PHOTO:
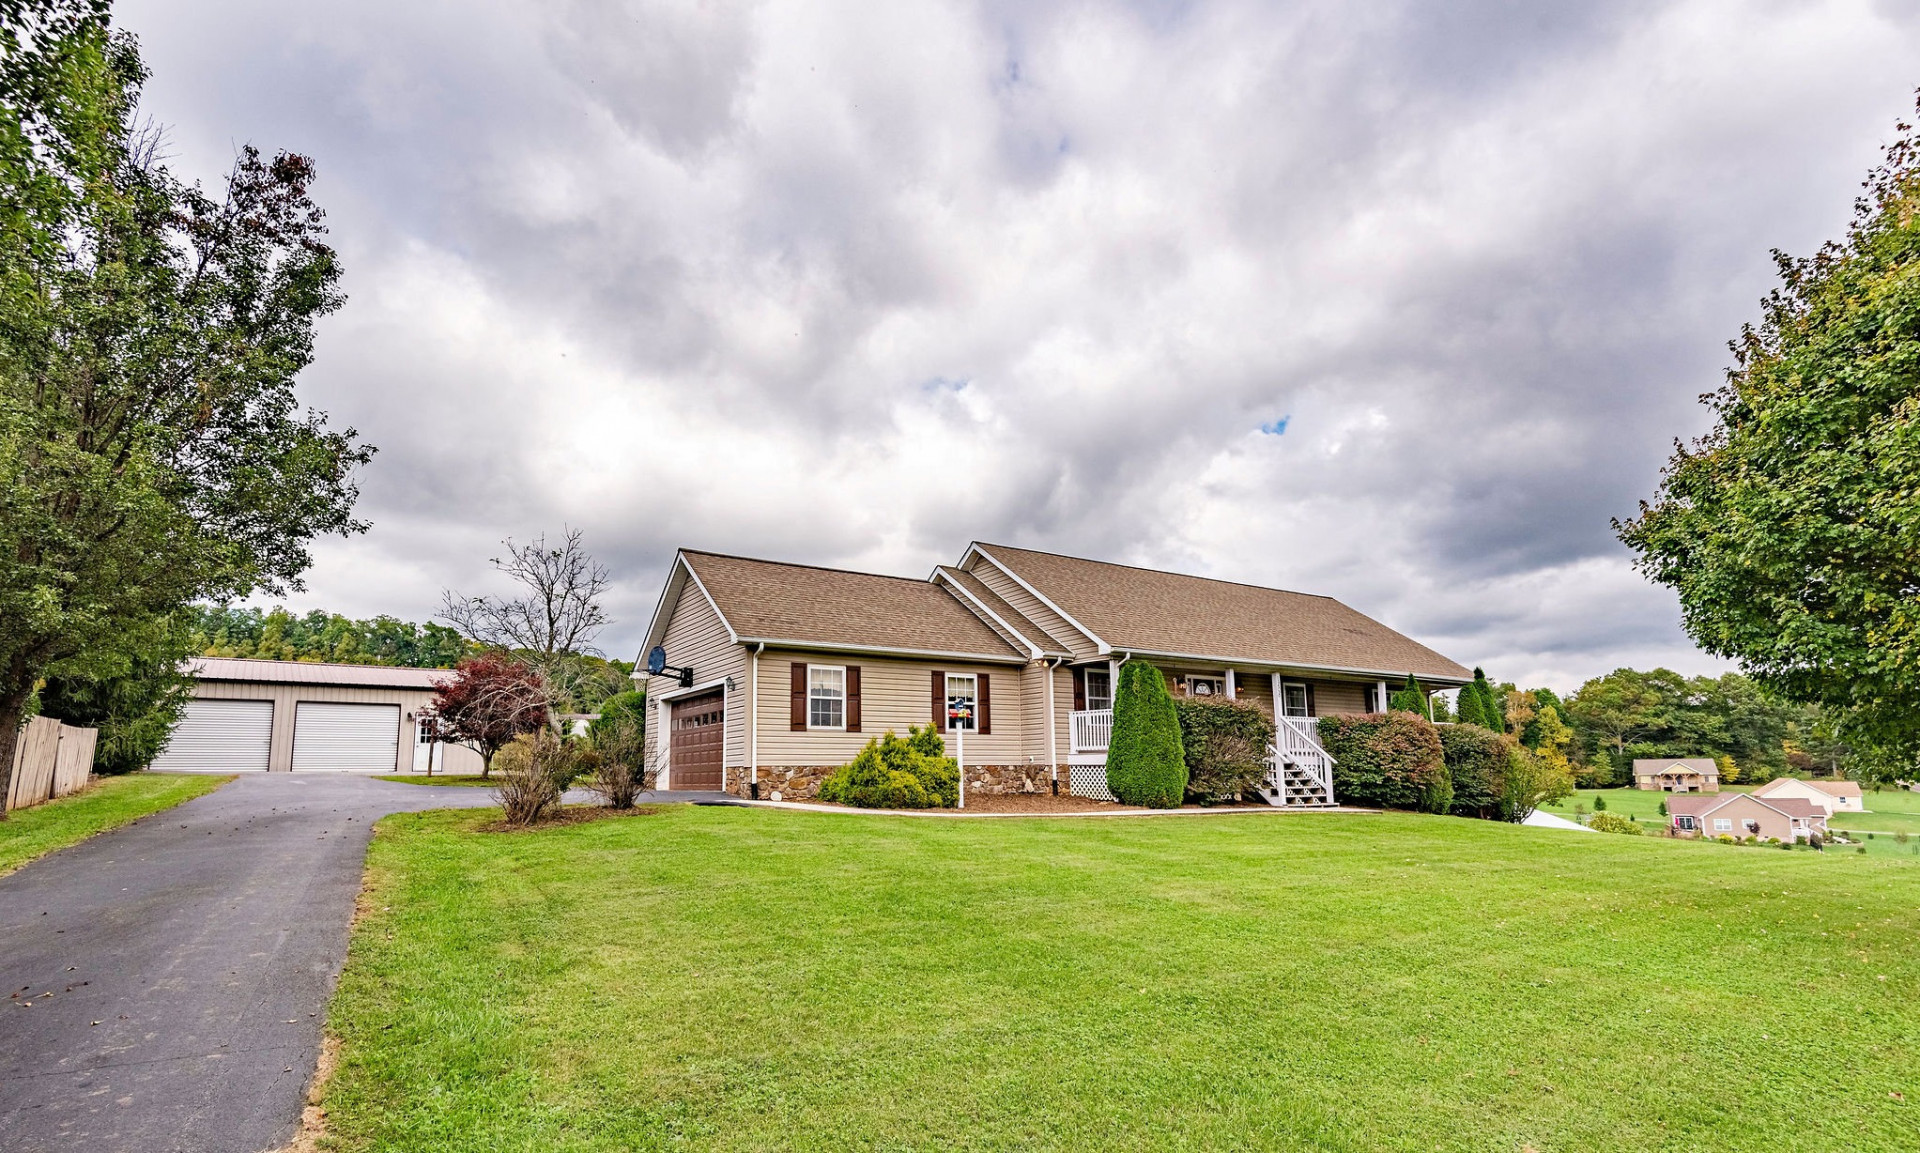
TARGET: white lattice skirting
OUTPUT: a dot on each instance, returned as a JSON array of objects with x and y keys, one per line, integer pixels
[{"x": 1088, "y": 781}]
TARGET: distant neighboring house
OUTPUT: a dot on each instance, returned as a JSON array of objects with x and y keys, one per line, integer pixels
[
  {"x": 249, "y": 715},
  {"x": 1677, "y": 775},
  {"x": 768, "y": 676},
  {"x": 1746, "y": 815},
  {"x": 1833, "y": 796}
]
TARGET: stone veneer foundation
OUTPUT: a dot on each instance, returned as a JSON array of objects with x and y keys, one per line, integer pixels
[{"x": 802, "y": 782}]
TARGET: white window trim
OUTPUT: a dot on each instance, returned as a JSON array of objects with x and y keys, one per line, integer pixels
[
  {"x": 972, "y": 725},
  {"x": 1102, "y": 669},
  {"x": 1304, "y": 702},
  {"x": 842, "y": 726},
  {"x": 1723, "y": 824}
]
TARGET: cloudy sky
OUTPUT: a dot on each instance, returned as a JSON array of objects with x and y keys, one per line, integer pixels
[{"x": 1397, "y": 302}]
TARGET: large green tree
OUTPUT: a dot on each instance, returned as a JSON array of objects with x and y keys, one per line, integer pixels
[
  {"x": 1791, "y": 531},
  {"x": 152, "y": 451}
]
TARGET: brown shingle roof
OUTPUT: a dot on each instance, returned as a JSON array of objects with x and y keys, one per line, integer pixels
[
  {"x": 1839, "y": 788},
  {"x": 768, "y": 600},
  {"x": 1048, "y": 644},
  {"x": 1696, "y": 804},
  {"x": 1162, "y": 612}
]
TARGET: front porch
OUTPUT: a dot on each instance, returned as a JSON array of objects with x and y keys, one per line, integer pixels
[{"x": 1299, "y": 770}]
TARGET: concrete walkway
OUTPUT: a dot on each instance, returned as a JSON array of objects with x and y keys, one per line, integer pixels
[{"x": 178, "y": 968}]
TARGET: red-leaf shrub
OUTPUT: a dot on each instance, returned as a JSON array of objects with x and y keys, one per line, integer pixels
[{"x": 1389, "y": 760}]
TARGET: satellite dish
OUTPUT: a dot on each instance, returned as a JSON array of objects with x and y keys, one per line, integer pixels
[{"x": 656, "y": 660}]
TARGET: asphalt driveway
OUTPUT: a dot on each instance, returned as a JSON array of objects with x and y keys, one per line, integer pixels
[{"x": 178, "y": 968}]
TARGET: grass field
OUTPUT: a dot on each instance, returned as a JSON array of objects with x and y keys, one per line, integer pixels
[
  {"x": 455, "y": 780},
  {"x": 30, "y": 833},
  {"x": 716, "y": 978}
]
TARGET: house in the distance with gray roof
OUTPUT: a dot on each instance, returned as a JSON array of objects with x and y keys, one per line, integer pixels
[{"x": 769, "y": 675}]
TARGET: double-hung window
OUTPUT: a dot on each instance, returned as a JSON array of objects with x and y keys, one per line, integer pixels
[
  {"x": 1099, "y": 688},
  {"x": 1723, "y": 824},
  {"x": 963, "y": 688},
  {"x": 826, "y": 697},
  {"x": 1295, "y": 703}
]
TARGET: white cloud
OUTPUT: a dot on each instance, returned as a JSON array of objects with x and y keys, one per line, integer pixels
[{"x": 856, "y": 283}]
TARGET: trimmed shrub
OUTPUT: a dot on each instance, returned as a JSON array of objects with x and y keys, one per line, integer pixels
[
  {"x": 1225, "y": 745},
  {"x": 1391, "y": 760},
  {"x": 1614, "y": 823},
  {"x": 895, "y": 773},
  {"x": 1477, "y": 767},
  {"x": 1600, "y": 804},
  {"x": 1145, "y": 764}
]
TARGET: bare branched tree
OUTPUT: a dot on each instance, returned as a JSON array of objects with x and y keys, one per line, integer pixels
[{"x": 554, "y": 620}]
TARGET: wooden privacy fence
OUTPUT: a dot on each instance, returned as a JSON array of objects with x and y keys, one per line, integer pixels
[{"x": 49, "y": 760}]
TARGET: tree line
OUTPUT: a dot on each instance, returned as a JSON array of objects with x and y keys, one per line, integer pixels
[
  {"x": 279, "y": 635},
  {"x": 1629, "y": 714}
]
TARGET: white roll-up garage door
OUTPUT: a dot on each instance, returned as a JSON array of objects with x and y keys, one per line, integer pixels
[
  {"x": 227, "y": 736},
  {"x": 354, "y": 738}
]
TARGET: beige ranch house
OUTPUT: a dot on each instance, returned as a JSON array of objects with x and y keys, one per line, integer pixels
[
  {"x": 1743, "y": 815},
  {"x": 1833, "y": 796},
  {"x": 776, "y": 674}
]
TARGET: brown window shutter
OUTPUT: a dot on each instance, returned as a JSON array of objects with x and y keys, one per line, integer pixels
[
  {"x": 983, "y": 706},
  {"x": 853, "y": 698},
  {"x": 939, "y": 701},
  {"x": 1312, "y": 711},
  {"x": 797, "y": 715},
  {"x": 1079, "y": 690}
]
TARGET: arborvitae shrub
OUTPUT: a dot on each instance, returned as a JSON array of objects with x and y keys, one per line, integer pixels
[
  {"x": 1409, "y": 698},
  {"x": 1145, "y": 762},
  {"x": 1600, "y": 803},
  {"x": 1392, "y": 761},
  {"x": 1476, "y": 764},
  {"x": 895, "y": 773},
  {"x": 1225, "y": 744}
]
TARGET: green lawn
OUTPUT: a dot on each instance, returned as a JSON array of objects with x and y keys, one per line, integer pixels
[
  {"x": 469, "y": 780},
  {"x": 30, "y": 833},
  {"x": 718, "y": 978},
  {"x": 1888, "y": 811}
]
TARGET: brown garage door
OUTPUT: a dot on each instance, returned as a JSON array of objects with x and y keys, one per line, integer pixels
[{"x": 699, "y": 739}]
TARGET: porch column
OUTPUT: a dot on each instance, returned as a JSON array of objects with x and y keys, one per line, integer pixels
[{"x": 1230, "y": 694}]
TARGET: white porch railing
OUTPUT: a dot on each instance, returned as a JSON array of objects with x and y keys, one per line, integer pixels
[
  {"x": 1299, "y": 769},
  {"x": 1092, "y": 730}
]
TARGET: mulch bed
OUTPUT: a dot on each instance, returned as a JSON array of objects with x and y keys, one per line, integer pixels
[{"x": 570, "y": 815}]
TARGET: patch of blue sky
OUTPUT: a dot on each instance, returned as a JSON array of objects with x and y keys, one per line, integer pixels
[{"x": 1276, "y": 427}]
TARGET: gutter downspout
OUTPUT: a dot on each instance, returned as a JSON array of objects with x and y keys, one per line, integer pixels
[
  {"x": 753, "y": 719},
  {"x": 1053, "y": 745}
]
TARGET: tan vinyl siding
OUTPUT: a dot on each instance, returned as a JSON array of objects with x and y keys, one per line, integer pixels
[
  {"x": 696, "y": 636},
  {"x": 1335, "y": 698},
  {"x": 1255, "y": 689},
  {"x": 894, "y": 694},
  {"x": 1033, "y": 709},
  {"x": 1030, "y": 606},
  {"x": 287, "y": 696}
]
